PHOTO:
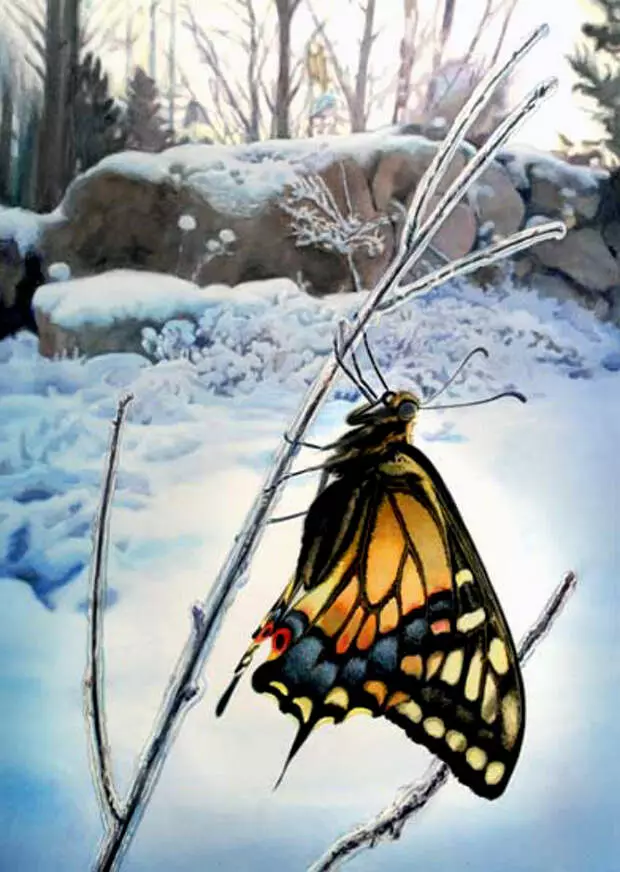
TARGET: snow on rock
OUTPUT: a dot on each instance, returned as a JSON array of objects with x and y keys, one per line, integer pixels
[{"x": 21, "y": 226}]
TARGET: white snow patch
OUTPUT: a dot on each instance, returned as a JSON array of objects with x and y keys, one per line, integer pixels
[
  {"x": 525, "y": 162},
  {"x": 20, "y": 225},
  {"x": 119, "y": 295},
  {"x": 59, "y": 271}
]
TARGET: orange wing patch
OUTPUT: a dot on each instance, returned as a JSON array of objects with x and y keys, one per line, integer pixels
[
  {"x": 430, "y": 543},
  {"x": 335, "y": 616}
]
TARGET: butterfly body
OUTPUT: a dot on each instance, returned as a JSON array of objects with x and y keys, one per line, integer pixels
[{"x": 390, "y": 611}]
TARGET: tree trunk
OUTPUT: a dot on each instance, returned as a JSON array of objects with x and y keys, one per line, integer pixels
[
  {"x": 286, "y": 10},
  {"x": 153, "y": 39},
  {"x": 6, "y": 140},
  {"x": 71, "y": 40},
  {"x": 407, "y": 57},
  {"x": 172, "y": 66},
  {"x": 49, "y": 141},
  {"x": 358, "y": 113}
]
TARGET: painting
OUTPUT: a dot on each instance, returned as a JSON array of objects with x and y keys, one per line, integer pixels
[{"x": 309, "y": 361}]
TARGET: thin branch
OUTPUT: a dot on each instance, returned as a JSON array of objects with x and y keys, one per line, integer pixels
[
  {"x": 389, "y": 823},
  {"x": 207, "y": 616},
  {"x": 505, "y": 248},
  {"x": 94, "y": 698}
]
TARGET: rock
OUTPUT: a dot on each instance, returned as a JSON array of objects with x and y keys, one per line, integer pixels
[
  {"x": 557, "y": 200},
  {"x": 556, "y": 286},
  {"x": 398, "y": 173},
  {"x": 614, "y": 305},
  {"x": 457, "y": 235},
  {"x": 107, "y": 313},
  {"x": 117, "y": 218},
  {"x": 583, "y": 256},
  {"x": 494, "y": 198},
  {"x": 611, "y": 235}
]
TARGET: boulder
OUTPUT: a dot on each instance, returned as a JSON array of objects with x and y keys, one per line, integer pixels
[
  {"x": 107, "y": 313},
  {"x": 495, "y": 199},
  {"x": 583, "y": 256},
  {"x": 220, "y": 219}
]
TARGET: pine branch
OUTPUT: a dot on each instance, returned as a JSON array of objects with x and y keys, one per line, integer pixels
[
  {"x": 183, "y": 686},
  {"x": 389, "y": 823},
  {"x": 94, "y": 702}
]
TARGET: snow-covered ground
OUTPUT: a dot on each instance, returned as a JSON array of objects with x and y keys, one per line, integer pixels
[{"x": 537, "y": 484}]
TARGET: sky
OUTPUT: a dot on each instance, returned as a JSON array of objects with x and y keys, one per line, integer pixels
[{"x": 563, "y": 113}]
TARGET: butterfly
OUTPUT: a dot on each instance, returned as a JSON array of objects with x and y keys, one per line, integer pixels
[{"x": 390, "y": 611}]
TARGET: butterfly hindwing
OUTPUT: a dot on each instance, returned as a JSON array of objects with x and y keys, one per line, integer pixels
[{"x": 393, "y": 614}]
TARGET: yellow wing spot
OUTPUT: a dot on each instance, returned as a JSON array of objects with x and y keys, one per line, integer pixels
[
  {"x": 495, "y": 772},
  {"x": 348, "y": 634},
  {"x": 456, "y": 741},
  {"x": 376, "y": 689},
  {"x": 388, "y": 619},
  {"x": 337, "y": 696},
  {"x": 325, "y": 721},
  {"x": 384, "y": 553},
  {"x": 412, "y": 664},
  {"x": 476, "y": 758},
  {"x": 304, "y": 704},
  {"x": 410, "y": 710},
  {"x": 411, "y": 588},
  {"x": 453, "y": 667},
  {"x": 358, "y": 710},
  {"x": 489, "y": 699},
  {"x": 470, "y": 620},
  {"x": 367, "y": 633},
  {"x": 433, "y": 663},
  {"x": 498, "y": 655},
  {"x": 463, "y": 576},
  {"x": 277, "y": 685},
  {"x": 335, "y": 616},
  {"x": 474, "y": 676},
  {"x": 397, "y": 698},
  {"x": 435, "y": 727},
  {"x": 511, "y": 719}
]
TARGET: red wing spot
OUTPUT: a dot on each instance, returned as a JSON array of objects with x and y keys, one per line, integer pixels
[
  {"x": 281, "y": 640},
  {"x": 264, "y": 633},
  {"x": 441, "y": 626}
]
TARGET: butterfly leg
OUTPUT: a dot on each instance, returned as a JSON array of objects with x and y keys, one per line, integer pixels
[
  {"x": 299, "y": 443},
  {"x": 322, "y": 485}
]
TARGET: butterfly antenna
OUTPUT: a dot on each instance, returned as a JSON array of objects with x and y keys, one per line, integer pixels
[
  {"x": 302, "y": 734},
  {"x": 363, "y": 389},
  {"x": 373, "y": 362},
  {"x": 459, "y": 369},
  {"x": 360, "y": 376},
  {"x": 515, "y": 394}
]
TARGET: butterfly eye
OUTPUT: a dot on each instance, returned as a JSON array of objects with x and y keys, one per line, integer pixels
[
  {"x": 264, "y": 633},
  {"x": 281, "y": 640},
  {"x": 407, "y": 410}
]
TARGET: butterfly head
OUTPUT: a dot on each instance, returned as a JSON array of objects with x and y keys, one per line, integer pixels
[{"x": 398, "y": 409}]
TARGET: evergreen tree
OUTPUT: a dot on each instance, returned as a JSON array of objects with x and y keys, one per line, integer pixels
[
  {"x": 99, "y": 125},
  {"x": 146, "y": 129},
  {"x": 597, "y": 63}
]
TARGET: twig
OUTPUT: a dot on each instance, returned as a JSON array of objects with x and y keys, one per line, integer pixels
[
  {"x": 389, "y": 823},
  {"x": 183, "y": 685},
  {"x": 476, "y": 260},
  {"x": 94, "y": 701}
]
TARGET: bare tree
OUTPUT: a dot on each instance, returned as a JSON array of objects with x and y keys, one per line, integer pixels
[
  {"x": 286, "y": 10},
  {"x": 354, "y": 86},
  {"x": 407, "y": 57}
]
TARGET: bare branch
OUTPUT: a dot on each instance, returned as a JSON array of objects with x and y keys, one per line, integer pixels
[
  {"x": 502, "y": 36},
  {"x": 389, "y": 823},
  {"x": 207, "y": 616},
  {"x": 94, "y": 698}
]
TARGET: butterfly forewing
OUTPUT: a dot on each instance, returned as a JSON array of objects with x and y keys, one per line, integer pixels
[{"x": 394, "y": 615}]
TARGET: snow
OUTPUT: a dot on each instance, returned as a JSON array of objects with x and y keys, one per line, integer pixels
[
  {"x": 523, "y": 163},
  {"x": 535, "y": 484},
  {"x": 20, "y": 225},
  {"x": 118, "y": 295}
]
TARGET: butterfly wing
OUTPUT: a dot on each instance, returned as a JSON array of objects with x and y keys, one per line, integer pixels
[{"x": 392, "y": 613}]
